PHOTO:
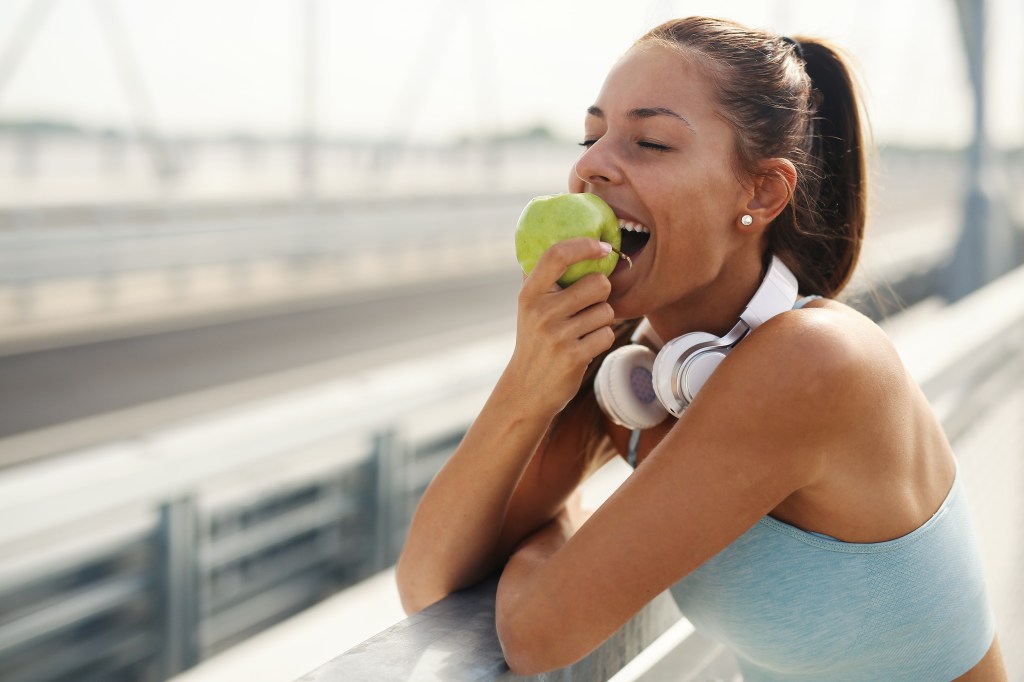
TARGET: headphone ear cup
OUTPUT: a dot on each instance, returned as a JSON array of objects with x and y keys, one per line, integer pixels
[
  {"x": 669, "y": 381},
  {"x": 624, "y": 391}
]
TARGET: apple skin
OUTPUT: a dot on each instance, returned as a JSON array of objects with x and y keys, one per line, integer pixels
[{"x": 552, "y": 218}]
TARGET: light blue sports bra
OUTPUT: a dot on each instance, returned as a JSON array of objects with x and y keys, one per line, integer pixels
[{"x": 796, "y": 606}]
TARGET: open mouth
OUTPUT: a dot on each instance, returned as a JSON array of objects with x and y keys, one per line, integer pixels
[{"x": 634, "y": 237}]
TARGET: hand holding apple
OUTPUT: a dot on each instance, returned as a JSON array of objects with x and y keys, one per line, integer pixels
[{"x": 549, "y": 219}]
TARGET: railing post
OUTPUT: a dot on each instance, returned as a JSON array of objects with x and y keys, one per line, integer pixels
[
  {"x": 391, "y": 496},
  {"x": 178, "y": 584}
]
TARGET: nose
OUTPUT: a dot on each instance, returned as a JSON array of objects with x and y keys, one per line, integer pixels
[{"x": 596, "y": 166}]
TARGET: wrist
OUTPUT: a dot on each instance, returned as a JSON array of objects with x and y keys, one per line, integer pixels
[{"x": 524, "y": 398}]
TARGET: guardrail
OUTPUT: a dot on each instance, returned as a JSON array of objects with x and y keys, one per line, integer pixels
[
  {"x": 962, "y": 357},
  {"x": 138, "y": 559},
  {"x": 53, "y": 272},
  {"x": 62, "y": 286}
]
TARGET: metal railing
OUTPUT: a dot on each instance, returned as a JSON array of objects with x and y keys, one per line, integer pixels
[
  {"x": 92, "y": 284},
  {"x": 961, "y": 356},
  {"x": 136, "y": 560},
  {"x": 50, "y": 272}
]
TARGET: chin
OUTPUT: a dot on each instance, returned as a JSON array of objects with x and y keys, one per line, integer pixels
[{"x": 625, "y": 306}]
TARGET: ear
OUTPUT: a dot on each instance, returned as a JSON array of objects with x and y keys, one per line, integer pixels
[{"x": 773, "y": 188}]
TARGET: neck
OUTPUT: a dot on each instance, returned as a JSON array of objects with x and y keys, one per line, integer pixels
[{"x": 714, "y": 307}]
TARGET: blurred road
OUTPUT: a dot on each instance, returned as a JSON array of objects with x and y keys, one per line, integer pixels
[{"x": 54, "y": 387}]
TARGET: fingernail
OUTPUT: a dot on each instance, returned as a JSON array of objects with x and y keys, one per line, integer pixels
[{"x": 606, "y": 248}]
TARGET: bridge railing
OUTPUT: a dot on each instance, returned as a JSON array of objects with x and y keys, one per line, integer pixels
[
  {"x": 56, "y": 279},
  {"x": 137, "y": 559},
  {"x": 68, "y": 284},
  {"x": 962, "y": 357}
]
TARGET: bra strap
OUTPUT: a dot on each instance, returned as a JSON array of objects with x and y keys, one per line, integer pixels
[
  {"x": 805, "y": 300},
  {"x": 634, "y": 442}
]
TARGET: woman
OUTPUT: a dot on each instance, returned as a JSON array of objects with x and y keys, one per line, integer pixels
[{"x": 805, "y": 508}]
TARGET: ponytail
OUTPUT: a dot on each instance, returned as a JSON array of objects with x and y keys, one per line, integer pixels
[{"x": 825, "y": 241}]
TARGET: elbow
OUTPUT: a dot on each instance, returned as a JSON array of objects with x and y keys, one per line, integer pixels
[
  {"x": 529, "y": 648},
  {"x": 414, "y": 595},
  {"x": 412, "y": 603},
  {"x": 520, "y": 654}
]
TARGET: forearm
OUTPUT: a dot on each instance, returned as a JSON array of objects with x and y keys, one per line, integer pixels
[
  {"x": 453, "y": 538},
  {"x": 456, "y": 536}
]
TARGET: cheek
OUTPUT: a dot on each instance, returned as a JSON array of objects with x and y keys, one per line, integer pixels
[
  {"x": 696, "y": 238},
  {"x": 715, "y": 199},
  {"x": 695, "y": 210}
]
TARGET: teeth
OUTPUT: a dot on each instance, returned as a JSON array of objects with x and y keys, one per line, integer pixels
[{"x": 630, "y": 226}]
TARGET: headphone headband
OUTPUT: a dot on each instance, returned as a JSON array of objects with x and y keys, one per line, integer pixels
[
  {"x": 776, "y": 294},
  {"x": 645, "y": 330}
]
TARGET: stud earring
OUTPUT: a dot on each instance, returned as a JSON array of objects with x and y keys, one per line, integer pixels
[{"x": 747, "y": 220}]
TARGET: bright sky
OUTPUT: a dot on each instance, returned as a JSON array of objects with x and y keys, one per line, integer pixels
[{"x": 432, "y": 69}]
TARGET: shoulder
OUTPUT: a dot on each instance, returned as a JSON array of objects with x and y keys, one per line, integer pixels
[
  {"x": 803, "y": 387},
  {"x": 827, "y": 361},
  {"x": 815, "y": 347}
]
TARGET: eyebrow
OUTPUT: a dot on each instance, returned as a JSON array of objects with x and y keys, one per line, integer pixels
[{"x": 643, "y": 113}]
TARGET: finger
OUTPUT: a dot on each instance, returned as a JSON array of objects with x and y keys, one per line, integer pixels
[
  {"x": 566, "y": 315},
  {"x": 597, "y": 341},
  {"x": 554, "y": 262},
  {"x": 592, "y": 318},
  {"x": 585, "y": 292}
]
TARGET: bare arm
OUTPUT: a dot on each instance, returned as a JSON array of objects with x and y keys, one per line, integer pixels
[
  {"x": 478, "y": 506},
  {"x": 742, "y": 447}
]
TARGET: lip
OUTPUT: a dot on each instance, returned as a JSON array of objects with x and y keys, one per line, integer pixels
[{"x": 622, "y": 214}]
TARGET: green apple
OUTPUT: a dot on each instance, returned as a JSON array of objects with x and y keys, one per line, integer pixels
[{"x": 552, "y": 218}]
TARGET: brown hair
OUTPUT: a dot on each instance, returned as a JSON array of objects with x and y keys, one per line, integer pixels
[
  {"x": 792, "y": 99},
  {"x": 797, "y": 100}
]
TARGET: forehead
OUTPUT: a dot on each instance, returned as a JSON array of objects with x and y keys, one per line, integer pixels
[{"x": 654, "y": 75}]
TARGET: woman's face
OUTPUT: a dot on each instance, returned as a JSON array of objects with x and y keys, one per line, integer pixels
[{"x": 661, "y": 156}]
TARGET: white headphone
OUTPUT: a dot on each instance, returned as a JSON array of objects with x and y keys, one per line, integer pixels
[{"x": 638, "y": 389}]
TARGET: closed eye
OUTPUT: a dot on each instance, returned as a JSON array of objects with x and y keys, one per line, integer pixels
[
  {"x": 647, "y": 145},
  {"x": 654, "y": 145}
]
